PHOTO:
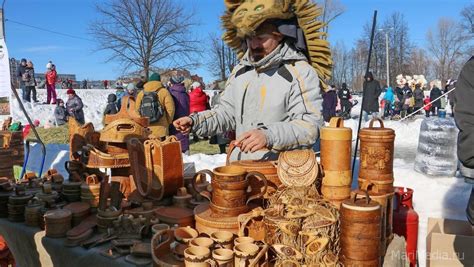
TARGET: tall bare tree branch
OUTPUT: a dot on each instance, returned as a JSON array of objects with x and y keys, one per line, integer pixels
[{"x": 144, "y": 33}]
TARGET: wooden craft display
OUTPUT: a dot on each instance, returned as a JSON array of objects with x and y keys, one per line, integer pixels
[
  {"x": 72, "y": 191},
  {"x": 157, "y": 166},
  {"x": 336, "y": 151},
  {"x": 80, "y": 136},
  {"x": 376, "y": 157},
  {"x": 361, "y": 232},
  {"x": 90, "y": 190},
  {"x": 79, "y": 211},
  {"x": 175, "y": 216}
]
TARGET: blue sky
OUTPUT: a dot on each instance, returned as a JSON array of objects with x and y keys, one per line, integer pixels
[{"x": 73, "y": 55}]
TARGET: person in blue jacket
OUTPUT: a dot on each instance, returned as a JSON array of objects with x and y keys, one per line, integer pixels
[{"x": 388, "y": 99}]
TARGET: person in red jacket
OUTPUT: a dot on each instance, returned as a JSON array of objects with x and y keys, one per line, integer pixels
[
  {"x": 198, "y": 100},
  {"x": 51, "y": 78},
  {"x": 428, "y": 107}
]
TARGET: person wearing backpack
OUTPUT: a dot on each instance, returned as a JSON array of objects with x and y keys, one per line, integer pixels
[
  {"x": 156, "y": 103},
  {"x": 30, "y": 82},
  {"x": 19, "y": 74},
  {"x": 182, "y": 107}
]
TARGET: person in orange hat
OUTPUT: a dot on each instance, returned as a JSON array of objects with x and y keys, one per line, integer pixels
[{"x": 74, "y": 106}]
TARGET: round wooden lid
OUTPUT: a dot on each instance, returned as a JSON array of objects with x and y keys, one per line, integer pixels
[
  {"x": 57, "y": 214},
  {"x": 175, "y": 215},
  {"x": 361, "y": 204},
  {"x": 336, "y": 130},
  {"x": 77, "y": 207},
  {"x": 377, "y": 131}
]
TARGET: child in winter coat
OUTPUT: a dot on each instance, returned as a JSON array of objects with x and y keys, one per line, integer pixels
[
  {"x": 428, "y": 107},
  {"x": 60, "y": 113},
  {"x": 112, "y": 107}
]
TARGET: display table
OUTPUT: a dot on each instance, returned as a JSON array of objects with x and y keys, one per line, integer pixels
[{"x": 30, "y": 247}]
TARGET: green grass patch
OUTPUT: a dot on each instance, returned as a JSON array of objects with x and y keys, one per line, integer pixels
[
  {"x": 204, "y": 147},
  {"x": 60, "y": 135},
  {"x": 54, "y": 135}
]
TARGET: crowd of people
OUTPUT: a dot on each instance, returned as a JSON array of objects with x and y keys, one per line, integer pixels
[
  {"x": 407, "y": 98},
  {"x": 163, "y": 104}
]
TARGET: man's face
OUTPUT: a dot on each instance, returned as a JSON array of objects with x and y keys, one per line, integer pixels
[
  {"x": 267, "y": 38},
  {"x": 23, "y": 63}
]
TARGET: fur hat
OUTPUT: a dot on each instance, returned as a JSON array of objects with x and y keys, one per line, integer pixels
[{"x": 242, "y": 18}]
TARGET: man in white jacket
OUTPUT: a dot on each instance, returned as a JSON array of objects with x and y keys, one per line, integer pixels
[{"x": 272, "y": 98}]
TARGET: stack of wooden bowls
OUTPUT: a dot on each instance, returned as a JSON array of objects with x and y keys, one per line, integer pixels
[
  {"x": 16, "y": 205},
  {"x": 33, "y": 213},
  {"x": 57, "y": 222},
  {"x": 79, "y": 210},
  {"x": 90, "y": 191},
  {"x": 72, "y": 191}
]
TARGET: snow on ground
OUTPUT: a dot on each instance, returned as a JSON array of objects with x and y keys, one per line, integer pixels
[
  {"x": 439, "y": 197},
  {"x": 94, "y": 101}
]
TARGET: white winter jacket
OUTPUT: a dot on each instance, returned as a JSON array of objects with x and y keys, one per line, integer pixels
[{"x": 279, "y": 94}]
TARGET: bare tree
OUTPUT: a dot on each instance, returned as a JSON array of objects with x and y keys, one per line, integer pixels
[
  {"x": 331, "y": 10},
  {"x": 222, "y": 58},
  {"x": 448, "y": 44},
  {"x": 467, "y": 15},
  {"x": 340, "y": 69},
  {"x": 142, "y": 33},
  {"x": 419, "y": 62}
]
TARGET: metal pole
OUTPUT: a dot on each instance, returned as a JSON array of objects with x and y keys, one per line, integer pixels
[
  {"x": 374, "y": 23},
  {"x": 388, "y": 63}
]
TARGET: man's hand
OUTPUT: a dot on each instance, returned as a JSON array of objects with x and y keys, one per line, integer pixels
[
  {"x": 183, "y": 124},
  {"x": 251, "y": 141}
]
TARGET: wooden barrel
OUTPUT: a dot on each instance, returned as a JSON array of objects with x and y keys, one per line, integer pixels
[
  {"x": 376, "y": 152},
  {"x": 336, "y": 147},
  {"x": 57, "y": 223},
  {"x": 361, "y": 231},
  {"x": 33, "y": 213},
  {"x": 386, "y": 203}
]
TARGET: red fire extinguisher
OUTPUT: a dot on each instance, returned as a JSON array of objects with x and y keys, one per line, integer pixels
[{"x": 405, "y": 221}]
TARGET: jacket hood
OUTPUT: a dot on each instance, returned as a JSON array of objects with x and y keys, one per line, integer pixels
[
  {"x": 152, "y": 86},
  {"x": 283, "y": 52},
  {"x": 198, "y": 91},
  {"x": 178, "y": 87},
  {"x": 111, "y": 98}
]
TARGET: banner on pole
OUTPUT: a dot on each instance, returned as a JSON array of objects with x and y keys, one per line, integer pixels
[{"x": 5, "y": 83}]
